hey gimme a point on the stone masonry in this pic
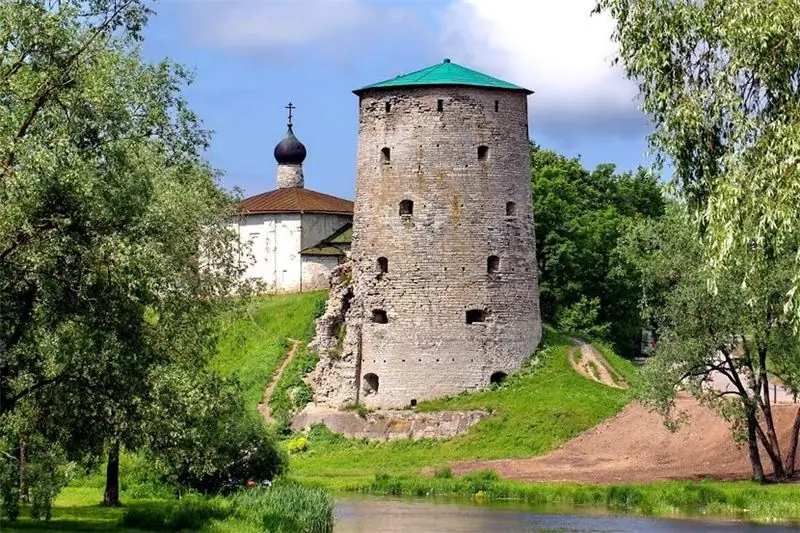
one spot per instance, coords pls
(443, 294)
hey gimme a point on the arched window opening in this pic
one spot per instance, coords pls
(492, 264)
(386, 155)
(483, 152)
(497, 378)
(440, 105)
(511, 209)
(379, 316)
(383, 265)
(371, 384)
(406, 207)
(388, 106)
(475, 316)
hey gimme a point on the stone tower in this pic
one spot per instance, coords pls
(444, 294)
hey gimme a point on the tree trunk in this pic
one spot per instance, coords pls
(23, 464)
(774, 448)
(792, 453)
(752, 444)
(111, 495)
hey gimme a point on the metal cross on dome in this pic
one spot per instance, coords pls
(290, 107)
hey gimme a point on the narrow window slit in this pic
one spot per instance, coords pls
(386, 155)
(440, 105)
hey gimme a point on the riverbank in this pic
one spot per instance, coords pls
(740, 500)
(285, 507)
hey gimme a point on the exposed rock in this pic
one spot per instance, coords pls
(390, 424)
(335, 374)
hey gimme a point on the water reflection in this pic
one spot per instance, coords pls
(386, 515)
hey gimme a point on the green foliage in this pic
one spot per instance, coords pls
(730, 332)
(115, 258)
(215, 448)
(283, 508)
(297, 445)
(534, 411)
(718, 79)
(579, 216)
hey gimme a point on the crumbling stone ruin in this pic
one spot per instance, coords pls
(441, 295)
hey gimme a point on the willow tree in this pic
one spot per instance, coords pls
(113, 247)
(720, 80)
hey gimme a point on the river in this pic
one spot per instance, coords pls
(391, 515)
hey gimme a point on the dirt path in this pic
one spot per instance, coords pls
(588, 362)
(263, 407)
(635, 447)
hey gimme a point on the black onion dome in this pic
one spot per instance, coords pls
(290, 150)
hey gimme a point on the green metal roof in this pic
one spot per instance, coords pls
(445, 73)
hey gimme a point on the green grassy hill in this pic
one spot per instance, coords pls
(534, 411)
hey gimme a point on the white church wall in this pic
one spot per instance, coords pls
(275, 249)
(316, 271)
(286, 242)
(317, 227)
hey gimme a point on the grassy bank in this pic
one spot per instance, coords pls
(284, 508)
(253, 345)
(741, 500)
(533, 412)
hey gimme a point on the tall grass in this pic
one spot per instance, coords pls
(283, 508)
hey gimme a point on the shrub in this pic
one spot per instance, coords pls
(298, 445)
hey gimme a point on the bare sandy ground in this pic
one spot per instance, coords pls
(635, 447)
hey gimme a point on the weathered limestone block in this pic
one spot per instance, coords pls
(390, 425)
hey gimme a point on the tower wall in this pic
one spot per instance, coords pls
(290, 175)
(438, 256)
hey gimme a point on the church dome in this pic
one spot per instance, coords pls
(290, 150)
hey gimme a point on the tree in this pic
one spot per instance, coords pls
(719, 79)
(740, 334)
(216, 445)
(579, 217)
(114, 254)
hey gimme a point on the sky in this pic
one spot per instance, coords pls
(252, 57)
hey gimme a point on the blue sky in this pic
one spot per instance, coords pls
(251, 57)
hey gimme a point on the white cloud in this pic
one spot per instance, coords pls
(277, 24)
(557, 49)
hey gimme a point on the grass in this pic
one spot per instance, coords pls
(535, 410)
(284, 508)
(252, 346)
(742, 500)
(291, 392)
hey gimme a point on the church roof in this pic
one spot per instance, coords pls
(445, 73)
(295, 200)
